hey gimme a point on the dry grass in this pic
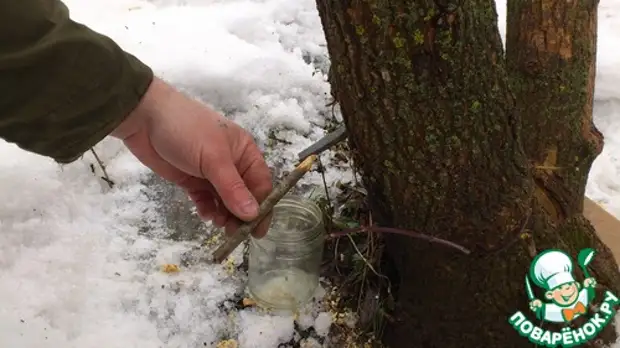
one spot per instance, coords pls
(360, 296)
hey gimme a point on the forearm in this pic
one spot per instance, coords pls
(63, 86)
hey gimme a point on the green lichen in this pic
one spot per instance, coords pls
(475, 106)
(574, 229)
(455, 141)
(359, 30)
(376, 20)
(399, 42)
(403, 61)
(432, 142)
(445, 38)
(418, 37)
(429, 15)
(389, 165)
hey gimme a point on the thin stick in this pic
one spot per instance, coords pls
(105, 176)
(243, 232)
(361, 255)
(404, 233)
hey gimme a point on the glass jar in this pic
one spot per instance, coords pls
(284, 266)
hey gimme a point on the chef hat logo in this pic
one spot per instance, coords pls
(551, 269)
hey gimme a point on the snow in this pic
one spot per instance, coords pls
(322, 323)
(261, 333)
(77, 268)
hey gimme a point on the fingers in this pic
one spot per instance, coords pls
(232, 190)
(263, 227)
(209, 205)
(205, 202)
(200, 191)
(243, 185)
(257, 177)
(237, 188)
(259, 232)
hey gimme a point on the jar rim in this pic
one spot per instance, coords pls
(310, 207)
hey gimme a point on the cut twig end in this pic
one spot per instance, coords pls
(306, 164)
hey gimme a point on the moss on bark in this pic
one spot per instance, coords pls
(551, 54)
(435, 130)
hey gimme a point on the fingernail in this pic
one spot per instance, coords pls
(249, 208)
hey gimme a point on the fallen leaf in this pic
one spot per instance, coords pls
(227, 344)
(248, 302)
(170, 268)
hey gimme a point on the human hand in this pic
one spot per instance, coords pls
(213, 159)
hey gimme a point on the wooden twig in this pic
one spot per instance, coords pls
(105, 176)
(401, 232)
(243, 232)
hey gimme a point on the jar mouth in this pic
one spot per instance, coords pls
(295, 219)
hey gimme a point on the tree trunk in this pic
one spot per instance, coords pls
(551, 52)
(437, 135)
(551, 61)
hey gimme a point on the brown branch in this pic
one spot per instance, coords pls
(243, 232)
(105, 176)
(409, 233)
(521, 235)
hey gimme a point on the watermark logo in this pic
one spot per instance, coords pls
(565, 299)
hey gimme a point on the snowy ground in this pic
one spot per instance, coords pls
(77, 268)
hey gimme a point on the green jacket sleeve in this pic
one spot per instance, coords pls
(63, 87)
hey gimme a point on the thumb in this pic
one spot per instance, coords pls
(232, 190)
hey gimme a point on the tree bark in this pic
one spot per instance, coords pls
(551, 56)
(551, 63)
(436, 133)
